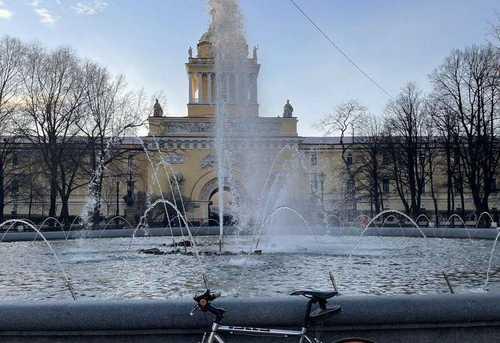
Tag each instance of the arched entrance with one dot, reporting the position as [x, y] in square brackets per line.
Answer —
[206, 193]
[213, 206]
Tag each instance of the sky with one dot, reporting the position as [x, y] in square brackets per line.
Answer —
[394, 41]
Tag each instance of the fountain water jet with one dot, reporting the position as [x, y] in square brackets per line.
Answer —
[485, 214]
[67, 279]
[155, 176]
[454, 215]
[367, 227]
[170, 175]
[423, 215]
[196, 252]
[129, 225]
[490, 261]
[275, 212]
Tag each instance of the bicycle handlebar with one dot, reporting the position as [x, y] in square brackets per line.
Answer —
[203, 302]
[204, 299]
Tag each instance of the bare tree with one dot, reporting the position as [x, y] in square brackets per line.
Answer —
[11, 58]
[346, 117]
[371, 171]
[111, 112]
[433, 145]
[468, 87]
[405, 124]
[53, 95]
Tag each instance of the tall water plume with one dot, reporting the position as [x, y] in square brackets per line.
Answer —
[246, 145]
[236, 112]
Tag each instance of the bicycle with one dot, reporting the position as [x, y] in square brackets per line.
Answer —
[203, 303]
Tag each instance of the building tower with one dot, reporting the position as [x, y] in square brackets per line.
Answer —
[238, 87]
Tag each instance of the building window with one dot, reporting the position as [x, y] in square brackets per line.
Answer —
[316, 182]
[314, 159]
[385, 185]
[349, 159]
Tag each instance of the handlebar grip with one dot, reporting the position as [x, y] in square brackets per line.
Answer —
[207, 295]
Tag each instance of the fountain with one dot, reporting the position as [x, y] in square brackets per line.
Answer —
[262, 177]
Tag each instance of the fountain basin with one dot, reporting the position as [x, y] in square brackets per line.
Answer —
[110, 233]
[442, 232]
[433, 318]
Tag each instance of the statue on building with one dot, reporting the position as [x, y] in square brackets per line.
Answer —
[288, 110]
[157, 110]
[190, 52]
[254, 56]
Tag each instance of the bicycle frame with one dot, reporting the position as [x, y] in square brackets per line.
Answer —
[216, 328]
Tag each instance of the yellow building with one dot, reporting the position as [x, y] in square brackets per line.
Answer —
[177, 159]
[186, 143]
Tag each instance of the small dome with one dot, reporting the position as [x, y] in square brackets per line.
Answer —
[206, 37]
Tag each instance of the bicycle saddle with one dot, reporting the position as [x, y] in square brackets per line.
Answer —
[320, 295]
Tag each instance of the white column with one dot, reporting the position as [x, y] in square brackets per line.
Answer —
[209, 88]
[200, 88]
[190, 77]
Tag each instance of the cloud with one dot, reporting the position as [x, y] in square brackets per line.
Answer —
[45, 15]
[90, 7]
[4, 13]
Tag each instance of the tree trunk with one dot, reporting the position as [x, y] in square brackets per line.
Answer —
[31, 197]
[53, 193]
[433, 193]
[2, 192]
[449, 183]
[64, 216]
